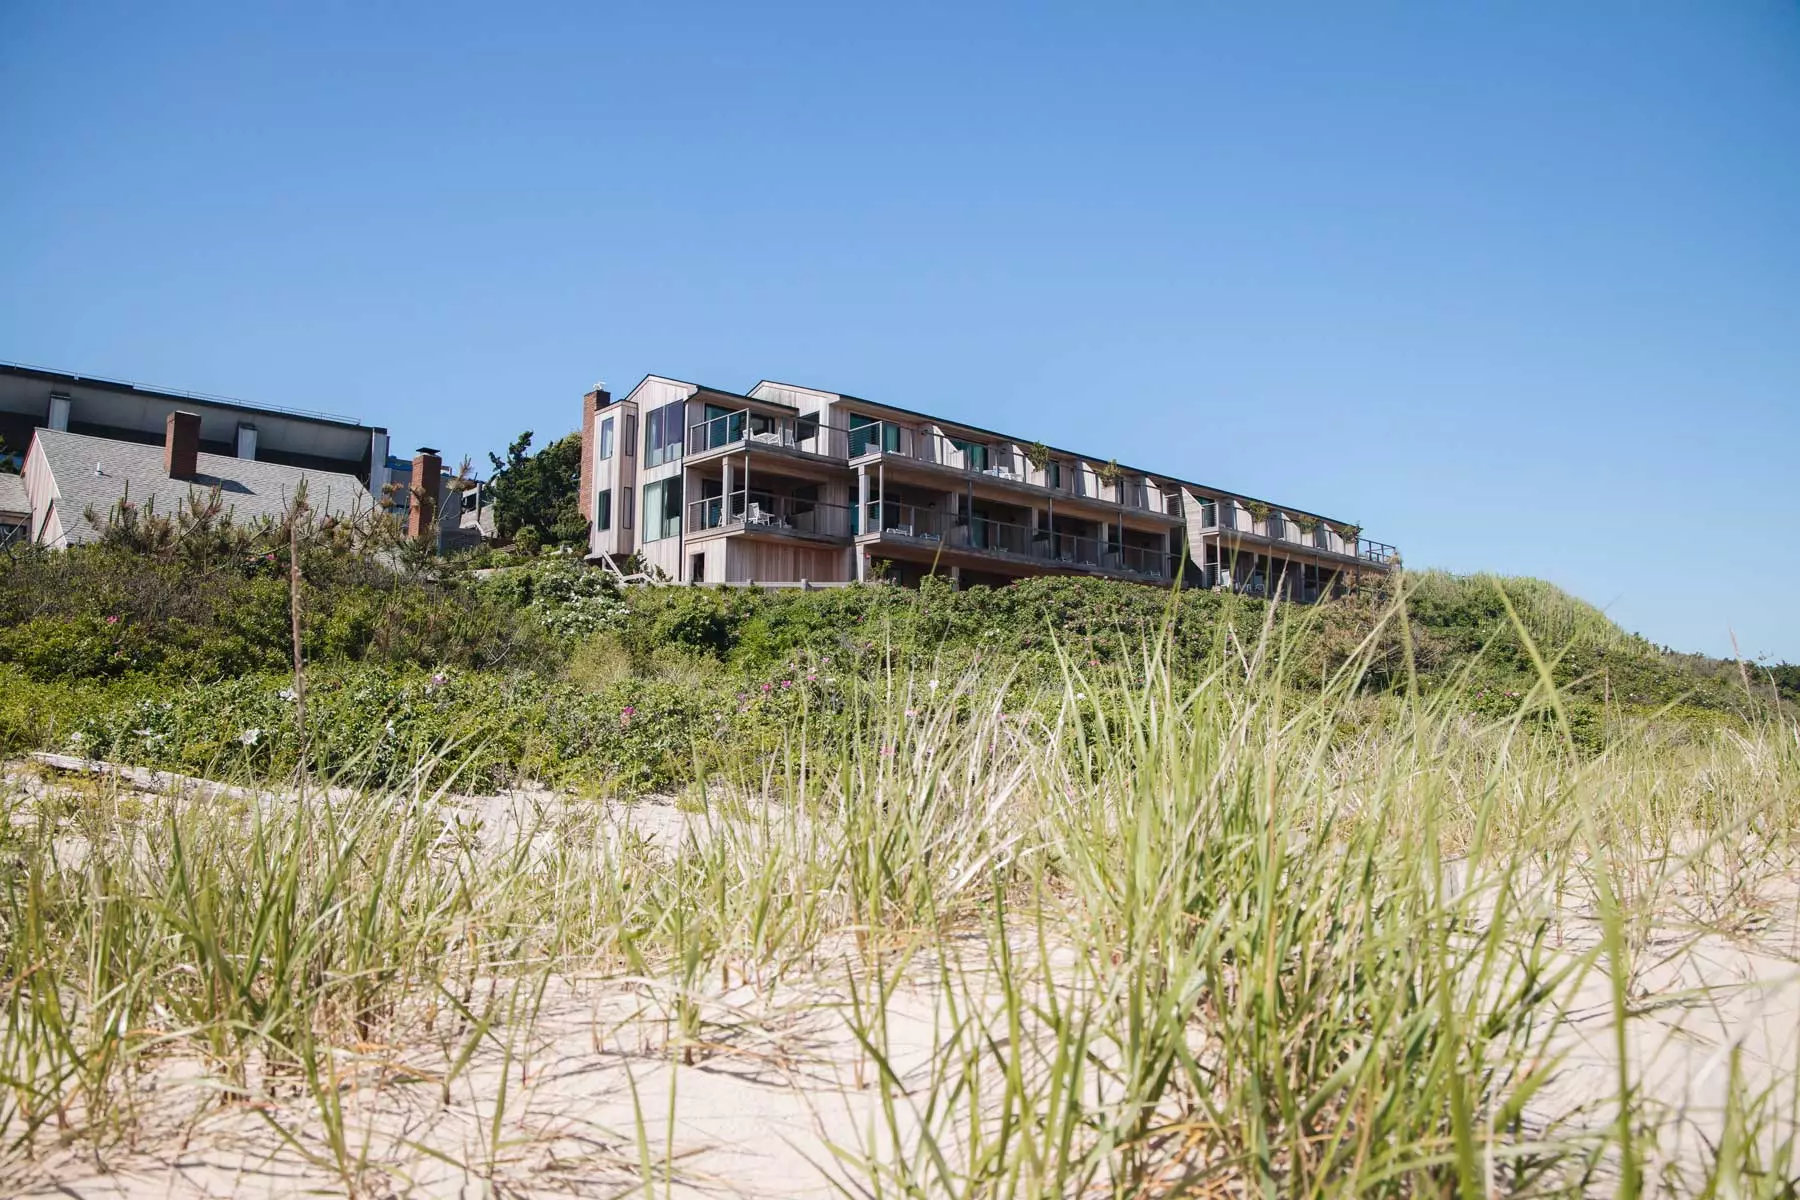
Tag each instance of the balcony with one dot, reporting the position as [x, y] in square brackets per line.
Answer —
[1214, 515]
[1379, 553]
[1006, 464]
[798, 434]
[764, 512]
[891, 519]
[1020, 543]
[903, 441]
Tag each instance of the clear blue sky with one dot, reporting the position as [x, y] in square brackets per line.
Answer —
[1515, 286]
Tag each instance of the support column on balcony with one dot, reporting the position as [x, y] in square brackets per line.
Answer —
[862, 503]
[725, 494]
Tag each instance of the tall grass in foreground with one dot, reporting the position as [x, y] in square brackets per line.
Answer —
[1174, 936]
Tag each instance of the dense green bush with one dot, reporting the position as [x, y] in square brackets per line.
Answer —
[367, 724]
[176, 651]
[99, 611]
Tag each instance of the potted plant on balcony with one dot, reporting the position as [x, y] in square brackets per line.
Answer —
[1259, 512]
[1349, 533]
[1308, 525]
[1038, 455]
[1109, 472]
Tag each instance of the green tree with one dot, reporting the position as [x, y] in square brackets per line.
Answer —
[539, 491]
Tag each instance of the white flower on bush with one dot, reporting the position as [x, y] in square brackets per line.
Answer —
[932, 685]
[287, 694]
[250, 737]
[76, 738]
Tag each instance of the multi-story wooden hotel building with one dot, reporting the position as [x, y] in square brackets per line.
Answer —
[789, 484]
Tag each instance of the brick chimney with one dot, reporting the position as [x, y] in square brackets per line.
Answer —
[591, 404]
[181, 445]
[427, 483]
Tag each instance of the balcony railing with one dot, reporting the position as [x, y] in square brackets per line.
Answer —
[886, 437]
[809, 435]
[1214, 515]
[1141, 560]
[984, 536]
[768, 512]
[1376, 552]
[1005, 463]
[891, 518]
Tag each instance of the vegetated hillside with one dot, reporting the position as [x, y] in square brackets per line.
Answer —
[177, 650]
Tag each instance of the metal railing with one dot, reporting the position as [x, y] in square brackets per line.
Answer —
[1214, 515]
[985, 536]
[1376, 552]
[807, 434]
[1000, 537]
[894, 519]
[1134, 493]
[1223, 516]
[766, 511]
[1004, 462]
[888, 437]
[1141, 560]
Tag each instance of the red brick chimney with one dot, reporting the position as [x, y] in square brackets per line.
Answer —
[181, 445]
[427, 482]
[591, 404]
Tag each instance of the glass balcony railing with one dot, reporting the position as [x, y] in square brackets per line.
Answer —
[982, 535]
[771, 513]
[1225, 518]
[1004, 462]
[808, 435]
[894, 519]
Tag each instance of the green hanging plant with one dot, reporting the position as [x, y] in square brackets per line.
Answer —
[1308, 525]
[1109, 472]
[1038, 455]
[1258, 510]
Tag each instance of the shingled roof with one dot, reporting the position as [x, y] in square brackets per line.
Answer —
[99, 472]
[12, 495]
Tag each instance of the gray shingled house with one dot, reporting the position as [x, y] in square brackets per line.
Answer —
[68, 475]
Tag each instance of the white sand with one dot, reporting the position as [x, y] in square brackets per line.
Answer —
[778, 1085]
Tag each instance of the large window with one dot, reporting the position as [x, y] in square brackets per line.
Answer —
[662, 434]
[662, 509]
[603, 509]
[606, 439]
